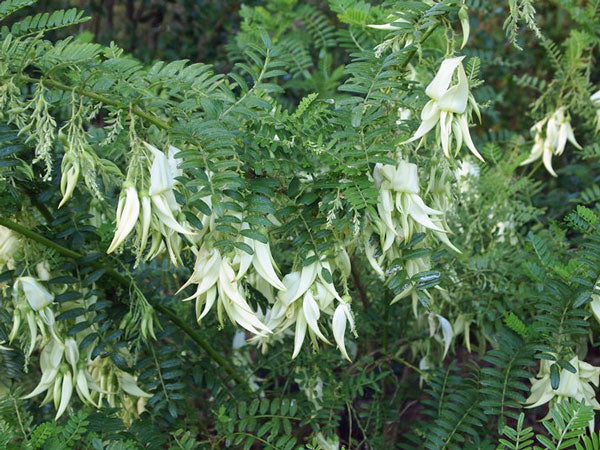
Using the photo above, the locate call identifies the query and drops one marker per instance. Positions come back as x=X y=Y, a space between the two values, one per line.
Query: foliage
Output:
x=275 y=225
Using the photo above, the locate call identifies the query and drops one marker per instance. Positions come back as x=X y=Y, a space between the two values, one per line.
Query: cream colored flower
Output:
x=550 y=138
x=262 y=261
x=214 y=274
x=400 y=207
x=448 y=109
x=116 y=387
x=402 y=213
x=595 y=99
x=9 y=245
x=155 y=212
x=128 y=211
x=307 y=298
x=70 y=175
x=576 y=385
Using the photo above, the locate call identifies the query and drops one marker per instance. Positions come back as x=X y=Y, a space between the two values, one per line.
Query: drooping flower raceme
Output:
x=440 y=191
x=576 y=385
x=63 y=371
x=152 y=209
x=308 y=296
x=398 y=22
x=402 y=211
x=115 y=386
x=216 y=280
x=67 y=370
x=449 y=109
x=550 y=138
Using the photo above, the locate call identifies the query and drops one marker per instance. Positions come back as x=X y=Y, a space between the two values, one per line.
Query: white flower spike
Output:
x=449 y=109
x=550 y=138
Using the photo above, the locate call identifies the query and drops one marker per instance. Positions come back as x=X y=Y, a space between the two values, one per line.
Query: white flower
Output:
x=448 y=108
x=9 y=245
x=262 y=261
x=162 y=180
x=402 y=213
x=330 y=443
x=464 y=23
x=595 y=99
x=576 y=385
x=43 y=270
x=36 y=295
x=70 y=174
x=447 y=334
x=341 y=316
x=552 y=139
x=309 y=296
x=595 y=306
x=128 y=211
x=128 y=384
x=214 y=274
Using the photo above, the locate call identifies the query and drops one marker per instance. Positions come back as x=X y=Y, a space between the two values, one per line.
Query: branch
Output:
x=358 y=284
x=100 y=98
x=127 y=283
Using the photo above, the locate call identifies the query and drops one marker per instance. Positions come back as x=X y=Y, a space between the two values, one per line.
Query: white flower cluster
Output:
x=577 y=385
x=449 y=109
x=152 y=212
x=64 y=368
x=550 y=138
x=402 y=212
x=309 y=294
x=299 y=300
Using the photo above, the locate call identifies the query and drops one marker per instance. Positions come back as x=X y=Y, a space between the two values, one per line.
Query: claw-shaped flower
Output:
x=400 y=207
x=552 y=139
x=70 y=175
x=128 y=211
x=448 y=108
x=213 y=273
x=9 y=245
x=576 y=385
x=308 y=296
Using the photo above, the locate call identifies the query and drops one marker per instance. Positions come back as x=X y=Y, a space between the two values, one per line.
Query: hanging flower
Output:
x=116 y=387
x=309 y=295
x=128 y=211
x=32 y=303
x=550 y=138
x=400 y=207
x=402 y=213
x=449 y=109
x=576 y=385
x=9 y=245
x=595 y=98
x=441 y=199
x=153 y=212
x=261 y=260
x=214 y=274
x=70 y=175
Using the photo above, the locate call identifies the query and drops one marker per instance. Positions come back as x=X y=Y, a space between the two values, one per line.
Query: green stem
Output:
x=413 y=51
x=101 y=98
x=182 y=325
